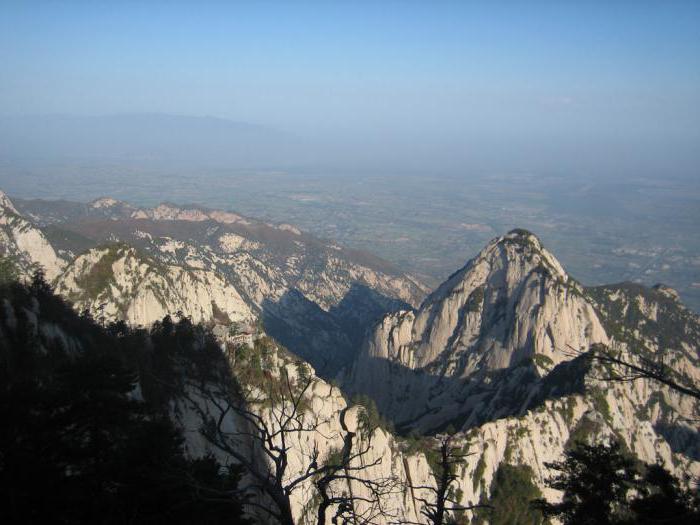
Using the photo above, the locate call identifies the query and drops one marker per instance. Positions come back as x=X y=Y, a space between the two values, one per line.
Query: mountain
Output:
x=152 y=139
x=503 y=346
x=511 y=305
x=117 y=282
x=136 y=264
x=40 y=333
x=504 y=453
x=499 y=355
x=26 y=244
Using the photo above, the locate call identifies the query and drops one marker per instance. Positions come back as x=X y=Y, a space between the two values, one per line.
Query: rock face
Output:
x=512 y=305
x=51 y=327
x=315 y=297
x=645 y=416
x=538 y=435
x=498 y=351
x=519 y=401
x=25 y=244
x=378 y=453
x=115 y=282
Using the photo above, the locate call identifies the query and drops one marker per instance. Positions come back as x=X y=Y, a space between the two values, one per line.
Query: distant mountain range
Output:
x=151 y=139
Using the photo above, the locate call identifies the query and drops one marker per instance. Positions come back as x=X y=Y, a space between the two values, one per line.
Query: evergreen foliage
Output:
x=78 y=444
x=604 y=486
x=8 y=270
x=370 y=417
x=512 y=490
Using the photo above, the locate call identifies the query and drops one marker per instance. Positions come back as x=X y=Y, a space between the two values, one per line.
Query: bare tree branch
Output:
x=646 y=369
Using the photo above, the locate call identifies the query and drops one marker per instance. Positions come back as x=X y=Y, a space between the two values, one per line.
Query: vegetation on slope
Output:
x=97 y=279
x=604 y=485
x=512 y=490
x=79 y=443
x=623 y=318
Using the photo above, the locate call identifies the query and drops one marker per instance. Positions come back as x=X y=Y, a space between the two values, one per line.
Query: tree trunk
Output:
x=322 y=507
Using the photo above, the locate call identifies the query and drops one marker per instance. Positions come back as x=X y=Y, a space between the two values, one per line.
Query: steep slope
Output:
x=505 y=318
x=651 y=318
x=26 y=244
x=178 y=233
x=504 y=334
x=316 y=297
x=629 y=412
x=499 y=351
x=502 y=351
x=115 y=282
x=177 y=353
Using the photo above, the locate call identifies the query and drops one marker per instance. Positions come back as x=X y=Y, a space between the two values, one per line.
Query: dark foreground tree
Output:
x=512 y=490
x=662 y=499
x=603 y=486
x=77 y=444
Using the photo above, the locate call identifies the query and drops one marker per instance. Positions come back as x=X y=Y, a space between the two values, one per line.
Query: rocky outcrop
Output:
x=115 y=282
x=537 y=436
x=315 y=297
x=171 y=212
x=512 y=305
x=557 y=405
x=498 y=352
x=530 y=440
x=25 y=244
x=377 y=454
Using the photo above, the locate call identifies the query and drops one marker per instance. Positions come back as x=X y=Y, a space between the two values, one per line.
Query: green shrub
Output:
x=512 y=490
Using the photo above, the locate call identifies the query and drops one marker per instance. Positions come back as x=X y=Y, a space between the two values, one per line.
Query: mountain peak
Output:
x=6 y=203
x=521 y=233
x=504 y=263
x=25 y=242
x=529 y=247
x=106 y=202
x=523 y=238
x=511 y=304
x=512 y=283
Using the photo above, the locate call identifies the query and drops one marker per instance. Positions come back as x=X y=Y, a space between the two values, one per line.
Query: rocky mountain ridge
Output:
x=315 y=296
x=598 y=410
x=511 y=305
x=116 y=282
x=499 y=354
x=510 y=334
x=26 y=244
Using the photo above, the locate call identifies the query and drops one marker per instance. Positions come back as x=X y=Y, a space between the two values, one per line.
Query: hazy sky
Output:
x=504 y=85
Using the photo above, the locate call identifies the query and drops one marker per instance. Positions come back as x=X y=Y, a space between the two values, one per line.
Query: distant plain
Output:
x=636 y=229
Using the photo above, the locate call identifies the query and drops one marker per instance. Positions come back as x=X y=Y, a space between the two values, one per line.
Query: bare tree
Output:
x=621 y=369
x=334 y=484
x=445 y=472
x=270 y=414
